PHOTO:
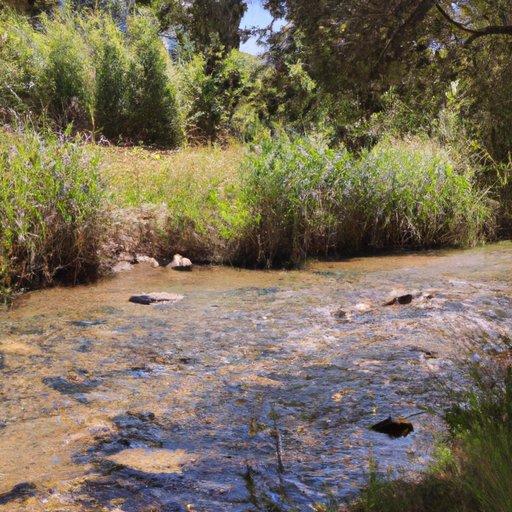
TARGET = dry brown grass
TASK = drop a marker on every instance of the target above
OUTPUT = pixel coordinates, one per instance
(138, 176)
(173, 201)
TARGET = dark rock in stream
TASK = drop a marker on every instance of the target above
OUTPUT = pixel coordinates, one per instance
(18, 492)
(155, 298)
(406, 298)
(85, 346)
(142, 416)
(341, 314)
(401, 299)
(2, 363)
(398, 427)
(87, 323)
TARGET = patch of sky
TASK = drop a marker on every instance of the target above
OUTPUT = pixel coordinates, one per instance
(256, 16)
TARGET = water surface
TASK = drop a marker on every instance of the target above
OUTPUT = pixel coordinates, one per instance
(112, 406)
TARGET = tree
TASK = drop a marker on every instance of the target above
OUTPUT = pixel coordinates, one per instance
(361, 44)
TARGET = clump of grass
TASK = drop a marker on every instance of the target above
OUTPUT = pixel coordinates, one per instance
(197, 188)
(50, 208)
(307, 199)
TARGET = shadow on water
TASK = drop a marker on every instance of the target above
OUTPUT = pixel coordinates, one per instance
(253, 393)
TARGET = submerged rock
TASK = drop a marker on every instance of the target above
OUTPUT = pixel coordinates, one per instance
(71, 386)
(142, 416)
(398, 427)
(153, 460)
(341, 314)
(18, 492)
(87, 323)
(180, 263)
(155, 298)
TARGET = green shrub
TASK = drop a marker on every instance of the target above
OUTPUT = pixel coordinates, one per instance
(50, 208)
(216, 94)
(111, 100)
(152, 105)
(21, 65)
(67, 82)
(81, 68)
(309, 199)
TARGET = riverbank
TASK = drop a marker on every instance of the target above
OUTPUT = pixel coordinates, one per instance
(271, 205)
(167, 202)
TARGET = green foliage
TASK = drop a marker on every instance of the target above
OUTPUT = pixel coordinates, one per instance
(309, 199)
(50, 208)
(67, 80)
(111, 106)
(82, 68)
(21, 64)
(215, 25)
(215, 94)
(152, 104)
(197, 188)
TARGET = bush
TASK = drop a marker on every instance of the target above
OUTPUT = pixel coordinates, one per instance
(111, 105)
(152, 104)
(21, 65)
(216, 95)
(83, 69)
(67, 82)
(50, 209)
(309, 199)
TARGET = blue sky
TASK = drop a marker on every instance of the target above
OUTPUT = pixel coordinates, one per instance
(256, 16)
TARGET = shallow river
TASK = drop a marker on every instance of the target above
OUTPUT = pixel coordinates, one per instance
(252, 393)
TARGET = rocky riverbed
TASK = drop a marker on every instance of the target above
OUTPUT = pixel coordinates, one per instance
(255, 390)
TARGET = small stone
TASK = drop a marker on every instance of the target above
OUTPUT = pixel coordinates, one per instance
(141, 258)
(128, 257)
(180, 263)
(398, 427)
(154, 298)
(361, 307)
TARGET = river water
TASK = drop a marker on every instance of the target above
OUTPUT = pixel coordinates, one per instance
(252, 393)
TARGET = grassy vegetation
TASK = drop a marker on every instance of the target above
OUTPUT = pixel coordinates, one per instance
(86, 70)
(190, 199)
(472, 472)
(50, 206)
(308, 199)
(184, 180)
